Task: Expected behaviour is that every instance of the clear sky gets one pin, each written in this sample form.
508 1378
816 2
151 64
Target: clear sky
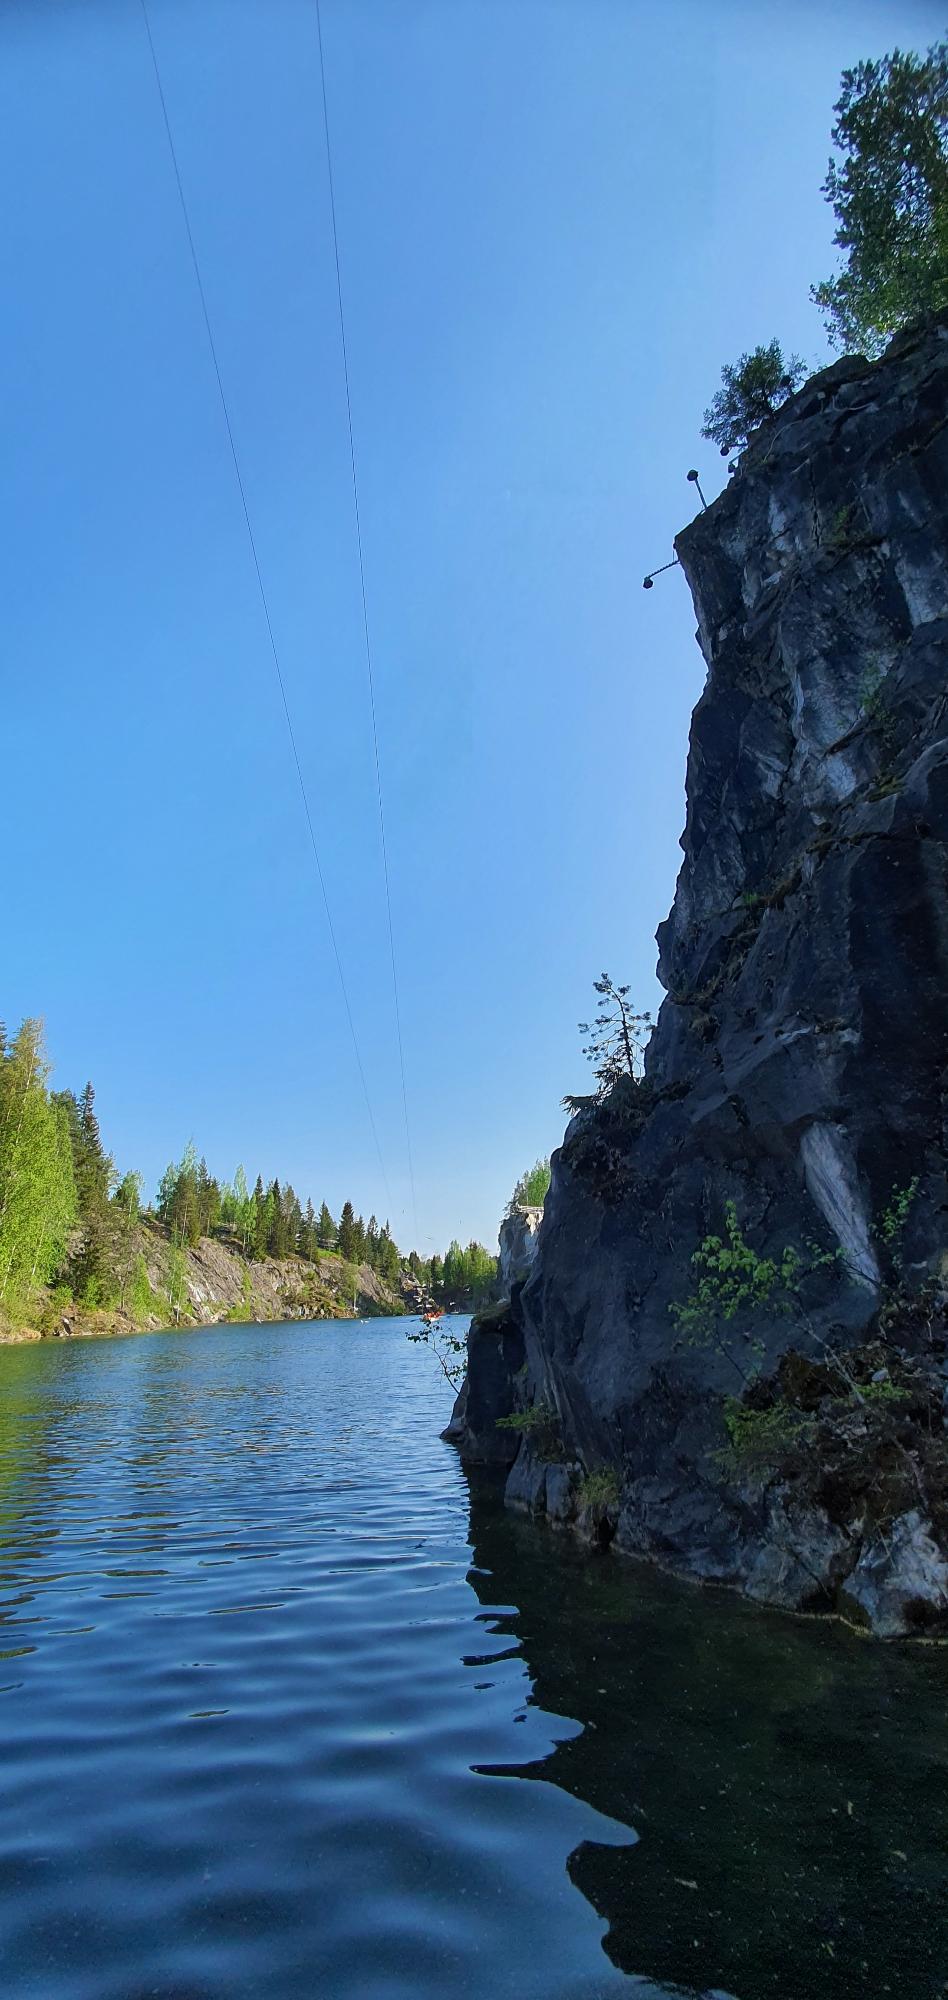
557 218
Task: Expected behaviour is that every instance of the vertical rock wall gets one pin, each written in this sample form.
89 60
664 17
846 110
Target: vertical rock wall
798 1068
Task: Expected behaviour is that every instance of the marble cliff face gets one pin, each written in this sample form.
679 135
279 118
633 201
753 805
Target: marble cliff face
798 1067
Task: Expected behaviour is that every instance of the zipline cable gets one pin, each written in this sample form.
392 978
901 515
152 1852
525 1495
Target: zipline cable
365 614
262 590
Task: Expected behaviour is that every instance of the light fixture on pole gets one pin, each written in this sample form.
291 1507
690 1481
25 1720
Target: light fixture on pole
696 482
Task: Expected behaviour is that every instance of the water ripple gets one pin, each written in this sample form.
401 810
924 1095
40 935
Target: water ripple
239 1748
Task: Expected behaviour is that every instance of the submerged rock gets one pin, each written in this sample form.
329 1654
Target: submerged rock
799 1065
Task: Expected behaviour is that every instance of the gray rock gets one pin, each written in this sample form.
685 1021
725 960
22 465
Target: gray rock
802 1559
526 1482
799 1061
561 1483
900 1582
518 1239
495 1358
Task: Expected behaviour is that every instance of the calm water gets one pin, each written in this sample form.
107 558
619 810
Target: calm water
285 1712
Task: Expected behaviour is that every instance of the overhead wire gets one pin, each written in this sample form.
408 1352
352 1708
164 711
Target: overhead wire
365 614
262 592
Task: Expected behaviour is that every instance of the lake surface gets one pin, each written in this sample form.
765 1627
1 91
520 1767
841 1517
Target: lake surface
285 1711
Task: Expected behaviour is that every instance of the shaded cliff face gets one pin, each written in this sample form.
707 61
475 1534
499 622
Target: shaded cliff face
798 1068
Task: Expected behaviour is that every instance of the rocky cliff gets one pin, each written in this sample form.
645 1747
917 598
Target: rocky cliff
517 1243
771 1416
214 1282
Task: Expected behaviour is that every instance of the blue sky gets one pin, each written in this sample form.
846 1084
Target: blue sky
556 221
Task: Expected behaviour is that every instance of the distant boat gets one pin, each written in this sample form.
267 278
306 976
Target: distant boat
433 1313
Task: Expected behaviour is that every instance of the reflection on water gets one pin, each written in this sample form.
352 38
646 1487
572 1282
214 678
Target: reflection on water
285 1712
787 1778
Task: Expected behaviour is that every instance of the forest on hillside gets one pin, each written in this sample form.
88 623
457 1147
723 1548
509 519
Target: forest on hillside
69 1220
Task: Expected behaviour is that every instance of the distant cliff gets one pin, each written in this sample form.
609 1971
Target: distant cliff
211 1281
771 1416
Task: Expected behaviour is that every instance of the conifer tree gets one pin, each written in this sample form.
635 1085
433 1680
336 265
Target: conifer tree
308 1243
326 1229
276 1227
347 1232
261 1220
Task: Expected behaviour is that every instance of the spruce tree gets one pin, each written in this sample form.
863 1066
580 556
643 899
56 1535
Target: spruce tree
276 1226
261 1220
326 1229
347 1232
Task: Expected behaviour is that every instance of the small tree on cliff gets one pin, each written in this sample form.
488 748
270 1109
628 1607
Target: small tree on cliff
751 390
617 1036
889 191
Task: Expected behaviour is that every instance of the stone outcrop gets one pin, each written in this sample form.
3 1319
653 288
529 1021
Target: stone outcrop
798 1068
518 1247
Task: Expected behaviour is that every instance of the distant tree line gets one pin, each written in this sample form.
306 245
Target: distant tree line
70 1221
268 1221
460 1277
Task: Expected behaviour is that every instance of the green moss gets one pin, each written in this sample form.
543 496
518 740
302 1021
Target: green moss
600 1489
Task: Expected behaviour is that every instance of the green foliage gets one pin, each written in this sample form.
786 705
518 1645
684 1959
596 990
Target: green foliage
38 1200
759 1439
889 192
55 1305
894 1218
599 1489
884 1392
752 388
541 1424
59 1215
841 531
449 1351
347 1237
618 1036
326 1230
532 1187
536 1418
732 1278
176 1278
242 1310
143 1302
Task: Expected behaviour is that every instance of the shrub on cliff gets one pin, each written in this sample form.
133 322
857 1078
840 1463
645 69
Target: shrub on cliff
889 191
751 390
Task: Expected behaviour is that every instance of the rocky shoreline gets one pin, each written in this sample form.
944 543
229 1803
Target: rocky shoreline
219 1285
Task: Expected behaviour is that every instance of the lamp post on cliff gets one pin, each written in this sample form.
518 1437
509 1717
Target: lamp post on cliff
696 482
647 581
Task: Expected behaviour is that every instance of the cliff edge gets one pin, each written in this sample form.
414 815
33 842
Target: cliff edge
771 1416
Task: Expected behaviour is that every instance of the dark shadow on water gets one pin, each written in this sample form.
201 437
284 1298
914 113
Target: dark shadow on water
788 1779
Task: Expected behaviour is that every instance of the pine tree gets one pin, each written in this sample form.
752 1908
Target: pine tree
326 1229
308 1244
261 1220
347 1233
292 1215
